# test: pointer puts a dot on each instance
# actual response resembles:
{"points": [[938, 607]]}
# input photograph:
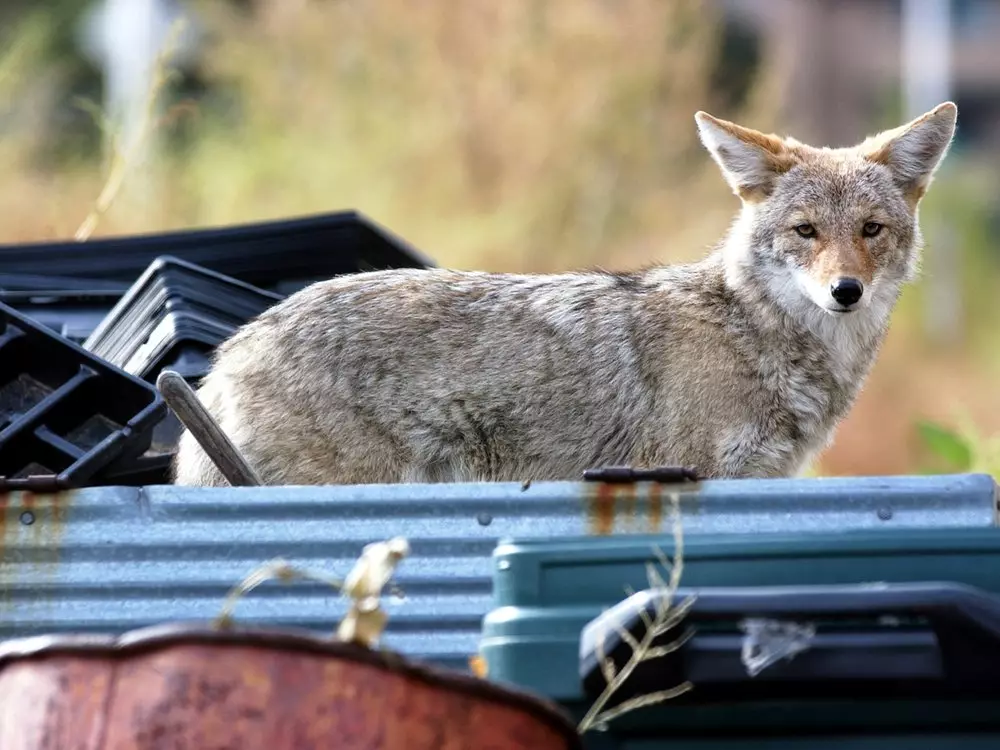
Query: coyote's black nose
{"points": [[846, 291]]}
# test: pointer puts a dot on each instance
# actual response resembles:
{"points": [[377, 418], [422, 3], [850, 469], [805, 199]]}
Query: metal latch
{"points": [[626, 474]]}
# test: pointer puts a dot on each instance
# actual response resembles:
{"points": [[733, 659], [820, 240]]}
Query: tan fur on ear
{"points": [[772, 144], [914, 150], [750, 160]]}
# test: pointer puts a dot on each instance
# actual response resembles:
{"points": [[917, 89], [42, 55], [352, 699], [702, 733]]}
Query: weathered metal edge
{"points": [[147, 639]]}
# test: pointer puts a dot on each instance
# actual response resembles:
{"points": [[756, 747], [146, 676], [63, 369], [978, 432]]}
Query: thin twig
{"points": [[122, 156], [184, 403], [666, 618], [277, 569], [656, 652], [627, 637], [607, 666], [642, 701]]}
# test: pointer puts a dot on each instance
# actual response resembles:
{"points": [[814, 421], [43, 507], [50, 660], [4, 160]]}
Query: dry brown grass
{"points": [[513, 136], [518, 136]]}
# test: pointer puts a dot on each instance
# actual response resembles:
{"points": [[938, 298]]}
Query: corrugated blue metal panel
{"points": [[111, 559]]}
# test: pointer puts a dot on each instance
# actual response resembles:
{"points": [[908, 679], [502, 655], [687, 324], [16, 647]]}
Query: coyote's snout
{"points": [[839, 271], [740, 365]]}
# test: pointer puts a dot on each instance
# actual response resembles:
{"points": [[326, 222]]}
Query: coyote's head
{"points": [[837, 226]]}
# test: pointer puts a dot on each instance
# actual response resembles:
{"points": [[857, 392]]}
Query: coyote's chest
{"points": [[804, 397]]}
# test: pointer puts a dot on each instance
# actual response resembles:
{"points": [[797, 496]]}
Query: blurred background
{"points": [[521, 135]]}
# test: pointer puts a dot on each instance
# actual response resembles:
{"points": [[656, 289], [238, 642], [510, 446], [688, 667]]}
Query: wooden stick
{"points": [[183, 401]]}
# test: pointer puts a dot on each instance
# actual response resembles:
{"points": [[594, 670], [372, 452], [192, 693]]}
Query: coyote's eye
{"points": [[806, 230], [871, 229]]}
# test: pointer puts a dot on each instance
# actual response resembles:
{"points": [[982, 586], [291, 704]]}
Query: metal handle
{"points": [[919, 639]]}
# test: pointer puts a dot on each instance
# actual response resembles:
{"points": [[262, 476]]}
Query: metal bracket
{"points": [[626, 474], [37, 483]]}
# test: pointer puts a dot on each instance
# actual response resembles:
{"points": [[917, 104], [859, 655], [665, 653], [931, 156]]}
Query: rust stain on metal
{"points": [[602, 509], [627, 495], [63, 701], [610, 502], [6, 566], [45, 534], [655, 508], [258, 692], [36, 521], [612, 484], [51, 512]]}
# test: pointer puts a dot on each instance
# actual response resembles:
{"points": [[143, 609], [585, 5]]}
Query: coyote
{"points": [[739, 365]]}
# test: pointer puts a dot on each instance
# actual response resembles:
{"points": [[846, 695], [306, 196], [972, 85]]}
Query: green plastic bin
{"points": [[916, 671]]}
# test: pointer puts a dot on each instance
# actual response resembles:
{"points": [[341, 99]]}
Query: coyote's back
{"points": [[438, 376], [739, 365]]}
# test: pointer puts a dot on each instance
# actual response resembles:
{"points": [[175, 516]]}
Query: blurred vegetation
{"points": [[947, 451], [521, 135], [525, 135]]}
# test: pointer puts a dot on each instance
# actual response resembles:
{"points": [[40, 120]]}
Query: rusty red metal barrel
{"points": [[192, 686]]}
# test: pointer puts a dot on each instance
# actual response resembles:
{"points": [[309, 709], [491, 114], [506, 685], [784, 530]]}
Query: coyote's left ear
{"points": [[751, 161], [914, 151]]}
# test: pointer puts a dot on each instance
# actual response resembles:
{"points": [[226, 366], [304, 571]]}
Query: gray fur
{"points": [[735, 364]]}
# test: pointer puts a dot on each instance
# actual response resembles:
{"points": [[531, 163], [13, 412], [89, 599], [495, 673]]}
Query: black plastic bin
{"points": [[71, 313], [174, 316], [150, 469], [279, 255], [64, 413]]}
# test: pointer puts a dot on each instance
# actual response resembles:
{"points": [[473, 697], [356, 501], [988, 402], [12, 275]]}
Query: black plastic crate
{"points": [[71, 313], [145, 471], [153, 466], [282, 255], [24, 286], [174, 316], [64, 413]]}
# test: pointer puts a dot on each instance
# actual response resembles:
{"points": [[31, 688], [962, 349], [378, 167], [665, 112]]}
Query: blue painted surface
{"points": [[115, 558]]}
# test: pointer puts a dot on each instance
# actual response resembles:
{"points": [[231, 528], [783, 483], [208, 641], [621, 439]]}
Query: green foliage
{"points": [[960, 211], [958, 450], [945, 445]]}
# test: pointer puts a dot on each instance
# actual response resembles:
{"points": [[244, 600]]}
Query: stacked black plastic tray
{"points": [[87, 328], [70, 307], [174, 316], [71, 286], [65, 415], [278, 255]]}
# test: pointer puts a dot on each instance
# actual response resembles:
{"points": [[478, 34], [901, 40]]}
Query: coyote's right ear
{"points": [[751, 161], [914, 151]]}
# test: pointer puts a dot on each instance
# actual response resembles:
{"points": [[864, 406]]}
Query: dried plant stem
{"points": [[641, 701], [123, 155], [364, 585], [666, 618], [277, 569]]}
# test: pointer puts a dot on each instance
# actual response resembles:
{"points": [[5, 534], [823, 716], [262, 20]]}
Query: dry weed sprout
{"points": [[666, 617], [273, 570], [123, 155], [364, 585], [365, 620]]}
